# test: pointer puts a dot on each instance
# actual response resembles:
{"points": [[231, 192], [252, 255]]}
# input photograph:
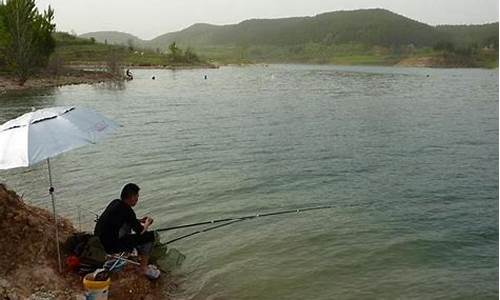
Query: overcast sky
{"points": [[150, 18]]}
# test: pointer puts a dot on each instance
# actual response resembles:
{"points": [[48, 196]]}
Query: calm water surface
{"points": [[410, 162]]}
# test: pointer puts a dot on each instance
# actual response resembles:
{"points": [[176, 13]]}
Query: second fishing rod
{"points": [[222, 220], [228, 221]]}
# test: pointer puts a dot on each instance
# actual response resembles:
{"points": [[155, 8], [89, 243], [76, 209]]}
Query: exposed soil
{"points": [[437, 62], [28, 259], [67, 77]]}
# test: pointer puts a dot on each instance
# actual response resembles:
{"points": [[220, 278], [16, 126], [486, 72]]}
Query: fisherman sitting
{"points": [[114, 229], [129, 74]]}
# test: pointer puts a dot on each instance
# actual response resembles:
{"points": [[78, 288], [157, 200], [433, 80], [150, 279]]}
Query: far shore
{"points": [[99, 67]]}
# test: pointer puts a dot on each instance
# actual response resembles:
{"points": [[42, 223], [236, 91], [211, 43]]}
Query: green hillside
{"points": [[73, 50], [462, 35], [114, 38], [368, 36], [370, 27]]}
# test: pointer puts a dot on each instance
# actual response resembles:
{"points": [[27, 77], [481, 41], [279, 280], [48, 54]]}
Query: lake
{"points": [[407, 156]]}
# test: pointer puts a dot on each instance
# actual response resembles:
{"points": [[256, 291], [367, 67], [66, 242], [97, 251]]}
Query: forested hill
{"points": [[367, 36], [462, 35], [368, 26], [114, 38]]}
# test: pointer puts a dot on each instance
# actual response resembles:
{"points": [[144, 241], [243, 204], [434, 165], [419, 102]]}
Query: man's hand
{"points": [[146, 222]]}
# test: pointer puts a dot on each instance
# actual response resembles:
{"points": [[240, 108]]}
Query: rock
{"points": [[4, 284], [42, 295], [12, 296], [149, 297]]}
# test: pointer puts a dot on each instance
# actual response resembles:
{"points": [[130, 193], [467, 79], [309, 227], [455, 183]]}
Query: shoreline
{"points": [[100, 67], [80, 74], [9, 84], [94, 73]]}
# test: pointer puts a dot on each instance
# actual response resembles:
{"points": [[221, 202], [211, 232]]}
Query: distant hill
{"points": [[114, 38], [195, 35], [367, 36], [368, 26]]}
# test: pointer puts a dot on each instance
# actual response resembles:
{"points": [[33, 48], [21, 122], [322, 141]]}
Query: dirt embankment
{"points": [[439, 61], [28, 259], [67, 77]]}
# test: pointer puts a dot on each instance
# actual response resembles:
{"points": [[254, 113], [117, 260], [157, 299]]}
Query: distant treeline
{"points": [[77, 50]]}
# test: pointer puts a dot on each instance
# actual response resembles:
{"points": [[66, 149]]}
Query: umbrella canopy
{"points": [[45, 133]]}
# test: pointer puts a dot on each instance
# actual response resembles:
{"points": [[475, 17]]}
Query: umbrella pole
{"points": [[51, 191]]}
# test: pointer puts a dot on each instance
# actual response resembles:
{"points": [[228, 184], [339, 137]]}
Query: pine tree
{"points": [[27, 42]]}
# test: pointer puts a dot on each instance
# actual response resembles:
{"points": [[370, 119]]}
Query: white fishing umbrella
{"points": [[40, 135]]}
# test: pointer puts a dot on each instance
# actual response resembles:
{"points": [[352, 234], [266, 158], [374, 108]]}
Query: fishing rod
{"points": [[229, 221], [289, 211], [202, 230]]}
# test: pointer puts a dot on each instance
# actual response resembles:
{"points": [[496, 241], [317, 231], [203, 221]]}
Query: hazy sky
{"points": [[150, 18]]}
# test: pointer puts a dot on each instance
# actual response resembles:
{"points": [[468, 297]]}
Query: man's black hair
{"points": [[130, 189]]}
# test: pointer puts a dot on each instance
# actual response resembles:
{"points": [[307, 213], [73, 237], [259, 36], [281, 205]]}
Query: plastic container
{"points": [[96, 290]]}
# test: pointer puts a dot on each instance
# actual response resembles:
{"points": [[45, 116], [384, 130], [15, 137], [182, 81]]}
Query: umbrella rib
{"points": [[53, 117], [40, 120], [44, 119], [27, 148], [55, 141], [47, 135], [13, 127]]}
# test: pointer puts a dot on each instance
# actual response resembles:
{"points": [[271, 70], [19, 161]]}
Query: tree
{"points": [[130, 44], [4, 38], [28, 40], [491, 42], [175, 52], [114, 63], [190, 56], [444, 46]]}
